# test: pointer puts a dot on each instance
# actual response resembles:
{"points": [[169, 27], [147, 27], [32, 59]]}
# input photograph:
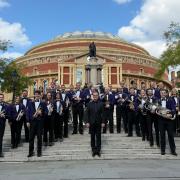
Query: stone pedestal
{"points": [[93, 71]]}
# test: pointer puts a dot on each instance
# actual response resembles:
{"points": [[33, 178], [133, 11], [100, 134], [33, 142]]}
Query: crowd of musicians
{"points": [[152, 112]]}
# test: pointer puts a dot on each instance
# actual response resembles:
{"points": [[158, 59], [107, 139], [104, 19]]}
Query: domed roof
{"points": [[88, 34]]}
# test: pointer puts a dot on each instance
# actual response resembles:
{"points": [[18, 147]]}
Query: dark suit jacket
{"points": [[94, 112]]}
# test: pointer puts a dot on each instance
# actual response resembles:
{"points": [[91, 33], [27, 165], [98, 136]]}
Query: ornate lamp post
{"points": [[15, 78]]}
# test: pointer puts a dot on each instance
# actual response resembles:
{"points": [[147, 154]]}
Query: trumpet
{"points": [[2, 114], [38, 112], [21, 113], [164, 112], [67, 102]]}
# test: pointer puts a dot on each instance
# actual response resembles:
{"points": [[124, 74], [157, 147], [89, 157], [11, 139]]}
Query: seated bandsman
{"points": [[58, 118], [166, 112], [152, 118], [108, 100], [132, 109], [142, 114], [120, 101], [35, 121], [17, 111], [3, 116], [49, 121]]}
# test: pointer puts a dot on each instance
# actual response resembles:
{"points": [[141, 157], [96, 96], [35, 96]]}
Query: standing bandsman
{"points": [[132, 109], [66, 101], [120, 101], [35, 121], [165, 123], [88, 93], [25, 101], [3, 116], [58, 118], [152, 118], [49, 121], [108, 100], [78, 109], [17, 111]]}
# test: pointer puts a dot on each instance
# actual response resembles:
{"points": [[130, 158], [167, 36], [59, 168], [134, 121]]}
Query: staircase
{"points": [[77, 147]]}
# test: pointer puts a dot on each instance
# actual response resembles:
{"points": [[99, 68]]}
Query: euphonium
{"points": [[151, 106], [2, 114], [164, 112]]}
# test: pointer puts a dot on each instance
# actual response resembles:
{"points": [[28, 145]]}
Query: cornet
{"points": [[38, 112], [20, 115], [2, 114], [50, 109]]}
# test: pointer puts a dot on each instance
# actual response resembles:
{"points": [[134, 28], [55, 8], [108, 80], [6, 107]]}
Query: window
{"points": [[79, 75]]}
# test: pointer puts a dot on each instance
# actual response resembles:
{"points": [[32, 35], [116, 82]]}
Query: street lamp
{"points": [[15, 78]]}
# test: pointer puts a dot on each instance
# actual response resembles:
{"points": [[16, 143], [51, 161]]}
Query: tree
{"points": [[7, 67], [170, 57]]}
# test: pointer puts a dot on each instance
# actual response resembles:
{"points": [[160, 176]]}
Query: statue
{"points": [[92, 50]]}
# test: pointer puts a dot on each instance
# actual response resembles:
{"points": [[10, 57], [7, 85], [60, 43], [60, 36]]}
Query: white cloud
{"points": [[11, 55], [147, 27], [122, 1], [13, 32], [4, 3]]}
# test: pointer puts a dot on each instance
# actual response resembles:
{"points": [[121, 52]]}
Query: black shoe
{"points": [[151, 144], [99, 154], [143, 139], [138, 135], [74, 133], [163, 153], [13, 146], [61, 139], [55, 140], [30, 154], [66, 136], [81, 133], [129, 135], [93, 153], [174, 153], [51, 144], [39, 154], [1, 155], [45, 144]]}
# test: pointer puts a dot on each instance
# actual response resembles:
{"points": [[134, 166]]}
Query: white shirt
{"points": [[17, 107], [120, 95], [153, 91], [175, 98], [37, 105], [143, 101], [164, 104], [150, 100], [63, 96], [78, 93], [0, 108], [25, 102], [132, 98], [58, 106]]}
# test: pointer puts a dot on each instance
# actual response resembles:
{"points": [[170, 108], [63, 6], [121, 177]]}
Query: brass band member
{"points": [[17, 111], [108, 100], [142, 114], [152, 118], [49, 121], [3, 116], [35, 121], [132, 108], [58, 118], [25, 101], [120, 100], [165, 124]]}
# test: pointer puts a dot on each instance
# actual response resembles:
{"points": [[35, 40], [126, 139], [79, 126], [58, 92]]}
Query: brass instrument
{"points": [[38, 112], [20, 115], [107, 103], [67, 102], [131, 104], [50, 109], [151, 106], [164, 112], [2, 114]]}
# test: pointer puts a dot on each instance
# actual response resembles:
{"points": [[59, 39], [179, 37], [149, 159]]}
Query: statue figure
{"points": [[92, 50]]}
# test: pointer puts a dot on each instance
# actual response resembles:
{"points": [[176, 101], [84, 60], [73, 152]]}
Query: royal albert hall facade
{"points": [[64, 60]]}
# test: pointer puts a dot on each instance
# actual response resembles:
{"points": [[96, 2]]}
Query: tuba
{"points": [[20, 115]]}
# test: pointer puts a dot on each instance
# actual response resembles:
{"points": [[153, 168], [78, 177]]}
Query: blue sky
{"points": [[30, 22]]}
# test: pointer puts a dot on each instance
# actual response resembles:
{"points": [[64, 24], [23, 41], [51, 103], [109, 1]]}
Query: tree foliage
{"points": [[170, 57]]}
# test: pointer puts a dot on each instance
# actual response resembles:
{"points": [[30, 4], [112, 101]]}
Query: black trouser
{"points": [[36, 128], [108, 114], [133, 119], [144, 126], [65, 121], [58, 126], [77, 111], [16, 132], [48, 127], [26, 129], [153, 119], [166, 125], [2, 128], [95, 137]]}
